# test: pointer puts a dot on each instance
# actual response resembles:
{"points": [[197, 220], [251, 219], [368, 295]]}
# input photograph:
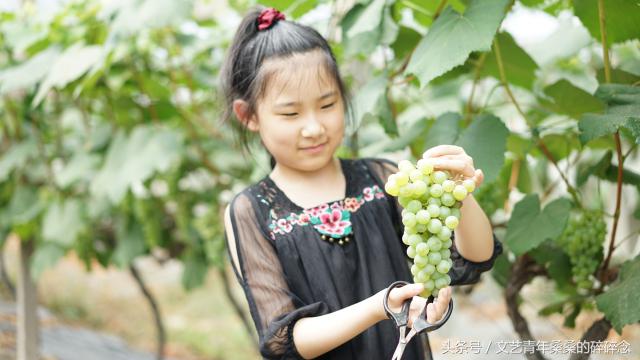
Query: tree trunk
{"points": [[155, 309], [27, 306], [236, 306]]}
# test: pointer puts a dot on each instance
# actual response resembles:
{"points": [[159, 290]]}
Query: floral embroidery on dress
{"points": [[330, 220]]}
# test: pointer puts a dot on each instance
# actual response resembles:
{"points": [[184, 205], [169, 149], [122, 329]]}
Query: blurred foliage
{"points": [[112, 146]]}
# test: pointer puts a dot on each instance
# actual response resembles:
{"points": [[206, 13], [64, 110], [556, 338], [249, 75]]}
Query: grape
{"points": [[434, 226], [416, 175], [405, 166], [431, 202], [411, 252], [423, 216], [448, 185], [392, 188], [447, 199], [438, 177], [414, 206], [460, 192], [409, 219], [423, 249], [444, 212], [420, 188], [401, 179], [583, 240], [435, 190], [433, 210], [451, 222], [469, 184]]}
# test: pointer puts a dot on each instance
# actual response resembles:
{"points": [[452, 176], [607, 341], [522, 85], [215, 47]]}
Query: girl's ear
{"points": [[241, 109]]}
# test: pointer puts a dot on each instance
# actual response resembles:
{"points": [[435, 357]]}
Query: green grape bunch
{"points": [[583, 240], [431, 201]]}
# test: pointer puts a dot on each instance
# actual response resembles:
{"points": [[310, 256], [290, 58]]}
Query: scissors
{"points": [[401, 318]]}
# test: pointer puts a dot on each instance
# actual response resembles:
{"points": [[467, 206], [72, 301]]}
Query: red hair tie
{"points": [[268, 17]]}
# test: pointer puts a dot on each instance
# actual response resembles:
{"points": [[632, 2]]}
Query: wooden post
{"points": [[27, 303]]}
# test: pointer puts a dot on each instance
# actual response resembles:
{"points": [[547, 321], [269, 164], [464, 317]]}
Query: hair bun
{"points": [[268, 17]]}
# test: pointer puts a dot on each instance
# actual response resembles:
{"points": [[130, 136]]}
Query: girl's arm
{"points": [[314, 336], [474, 234]]}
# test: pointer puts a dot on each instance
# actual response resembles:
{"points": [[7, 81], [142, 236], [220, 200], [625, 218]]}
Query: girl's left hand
{"points": [[456, 160]]}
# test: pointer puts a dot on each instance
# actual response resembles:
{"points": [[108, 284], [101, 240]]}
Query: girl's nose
{"points": [[312, 128]]}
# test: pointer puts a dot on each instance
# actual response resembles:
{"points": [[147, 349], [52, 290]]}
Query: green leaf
{"points": [[69, 66], [501, 270], [27, 74], [620, 303], [135, 158], [565, 98], [445, 130], [556, 262], [362, 43], [529, 227], [368, 20], [195, 271], [453, 36], [24, 206], [372, 101], [17, 156], [405, 42], [81, 167], [485, 140], [620, 24], [45, 257], [130, 242], [519, 67], [63, 222], [623, 111]]}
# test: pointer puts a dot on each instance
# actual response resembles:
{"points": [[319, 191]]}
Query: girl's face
{"points": [[300, 117]]}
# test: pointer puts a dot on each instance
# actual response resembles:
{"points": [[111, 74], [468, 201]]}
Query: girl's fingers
{"points": [[458, 166], [443, 150], [431, 313]]}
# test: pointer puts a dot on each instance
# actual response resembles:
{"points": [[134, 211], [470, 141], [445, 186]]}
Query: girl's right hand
{"points": [[435, 310]]}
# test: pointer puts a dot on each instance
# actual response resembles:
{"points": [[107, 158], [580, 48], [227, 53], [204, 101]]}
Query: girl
{"points": [[315, 243]]}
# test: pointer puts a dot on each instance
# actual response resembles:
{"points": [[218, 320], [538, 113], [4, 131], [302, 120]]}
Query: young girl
{"points": [[315, 243]]}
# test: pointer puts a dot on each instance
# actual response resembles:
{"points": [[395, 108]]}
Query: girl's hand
{"points": [[435, 310], [456, 160]]}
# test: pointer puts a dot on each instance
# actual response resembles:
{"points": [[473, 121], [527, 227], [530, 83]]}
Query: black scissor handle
{"points": [[421, 324], [401, 318]]}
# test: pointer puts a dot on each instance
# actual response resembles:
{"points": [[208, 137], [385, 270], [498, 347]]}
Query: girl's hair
{"points": [[241, 74]]}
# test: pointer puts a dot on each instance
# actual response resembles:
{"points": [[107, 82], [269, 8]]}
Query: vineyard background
{"points": [[114, 168]]}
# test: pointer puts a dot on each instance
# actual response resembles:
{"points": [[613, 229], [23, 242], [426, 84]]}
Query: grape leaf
{"points": [[372, 101], [623, 111], [620, 24], [130, 244], [29, 73], [528, 227], [519, 67], [45, 256], [565, 98], [453, 36], [485, 140], [63, 222], [620, 303], [69, 66], [135, 158]]}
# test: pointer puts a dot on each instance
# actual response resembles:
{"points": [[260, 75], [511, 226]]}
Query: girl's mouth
{"points": [[315, 149]]}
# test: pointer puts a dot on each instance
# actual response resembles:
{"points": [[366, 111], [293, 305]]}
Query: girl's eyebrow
{"points": [[291, 103]]}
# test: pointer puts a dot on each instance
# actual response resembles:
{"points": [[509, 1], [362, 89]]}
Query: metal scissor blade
{"points": [[402, 344]]}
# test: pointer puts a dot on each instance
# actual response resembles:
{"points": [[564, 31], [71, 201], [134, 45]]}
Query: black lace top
{"points": [[298, 263]]}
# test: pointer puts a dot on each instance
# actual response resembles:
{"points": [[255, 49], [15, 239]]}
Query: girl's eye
{"points": [[328, 105], [289, 114]]}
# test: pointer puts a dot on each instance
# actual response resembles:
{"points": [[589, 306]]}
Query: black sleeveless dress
{"points": [[298, 263]]}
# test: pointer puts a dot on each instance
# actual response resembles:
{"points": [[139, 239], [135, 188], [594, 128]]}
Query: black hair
{"points": [[241, 74]]}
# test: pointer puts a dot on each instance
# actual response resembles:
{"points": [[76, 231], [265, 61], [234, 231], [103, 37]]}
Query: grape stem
{"points": [[616, 214], [539, 143]]}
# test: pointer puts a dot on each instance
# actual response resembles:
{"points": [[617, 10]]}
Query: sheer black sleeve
{"points": [[463, 271], [274, 308]]}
